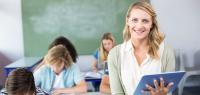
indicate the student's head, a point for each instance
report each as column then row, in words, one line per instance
column 58, row 58
column 141, row 24
column 20, row 82
column 65, row 42
column 107, row 43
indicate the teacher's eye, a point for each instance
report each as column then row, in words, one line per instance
column 145, row 21
column 134, row 20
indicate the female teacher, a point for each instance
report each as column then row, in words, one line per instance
column 143, row 52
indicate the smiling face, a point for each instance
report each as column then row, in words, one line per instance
column 140, row 23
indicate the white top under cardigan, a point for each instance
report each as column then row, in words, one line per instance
column 131, row 71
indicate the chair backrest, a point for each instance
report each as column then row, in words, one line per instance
column 180, row 60
column 84, row 62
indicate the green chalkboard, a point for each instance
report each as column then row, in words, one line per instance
column 81, row 21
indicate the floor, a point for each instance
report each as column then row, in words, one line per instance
column 191, row 91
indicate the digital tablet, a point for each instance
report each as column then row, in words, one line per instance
column 174, row 77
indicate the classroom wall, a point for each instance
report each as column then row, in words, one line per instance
column 179, row 20
column 11, row 39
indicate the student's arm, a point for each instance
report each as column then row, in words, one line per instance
column 81, row 87
column 95, row 61
column 37, row 76
column 105, row 84
column 94, row 66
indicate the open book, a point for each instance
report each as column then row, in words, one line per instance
column 94, row 74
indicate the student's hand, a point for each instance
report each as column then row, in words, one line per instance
column 55, row 92
column 95, row 69
column 104, row 62
column 158, row 90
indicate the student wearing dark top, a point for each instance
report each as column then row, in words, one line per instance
column 21, row 82
column 67, row 43
column 61, row 40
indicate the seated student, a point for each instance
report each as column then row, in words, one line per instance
column 65, row 42
column 23, row 86
column 59, row 74
column 61, row 40
column 100, row 55
column 20, row 82
column 105, row 84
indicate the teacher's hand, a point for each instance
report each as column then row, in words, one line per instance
column 159, row 89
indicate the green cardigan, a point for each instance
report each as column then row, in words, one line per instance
column 114, row 65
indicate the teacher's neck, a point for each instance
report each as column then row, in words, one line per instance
column 140, row 44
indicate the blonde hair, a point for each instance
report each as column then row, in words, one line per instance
column 103, row 52
column 155, row 36
column 58, row 54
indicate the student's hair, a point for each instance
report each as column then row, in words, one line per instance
column 155, row 37
column 65, row 42
column 58, row 54
column 20, row 82
column 103, row 52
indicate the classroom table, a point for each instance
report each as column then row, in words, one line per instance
column 90, row 79
column 25, row 62
column 93, row 93
column 2, row 92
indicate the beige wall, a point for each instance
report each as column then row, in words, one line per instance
column 179, row 20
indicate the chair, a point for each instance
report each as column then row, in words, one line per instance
column 181, row 60
column 84, row 62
